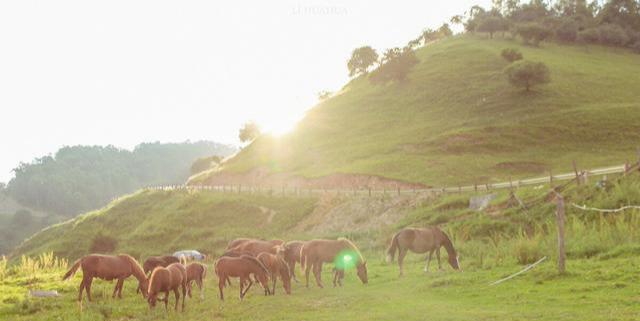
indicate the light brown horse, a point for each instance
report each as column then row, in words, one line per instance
column 241, row 267
column 107, row 267
column 422, row 240
column 255, row 247
column 239, row 241
column 172, row 278
column 154, row 261
column 292, row 255
column 196, row 272
column 277, row 268
column 316, row 252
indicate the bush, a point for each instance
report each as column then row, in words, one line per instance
column 612, row 35
column 511, row 55
column 396, row 66
column 103, row 244
column 567, row 31
column 532, row 33
column 590, row 35
column 527, row 74
column 636, row 47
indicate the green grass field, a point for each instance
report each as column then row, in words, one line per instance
column 591, row 290
column 457, row 120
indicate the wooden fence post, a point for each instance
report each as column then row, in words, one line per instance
column 369, row 187
column 398, row 188
column 560, row 222
column 575, row 170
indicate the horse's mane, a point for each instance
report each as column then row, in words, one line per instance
column 138, row 272
column 256, row 261
column 448, row 245
column 153, row 276
column 353, row 246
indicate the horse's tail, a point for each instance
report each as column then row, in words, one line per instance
column 391, row 251
column 73, row 270
column 303, row 257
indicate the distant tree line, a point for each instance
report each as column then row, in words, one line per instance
column 81, row 178
column 610, row 23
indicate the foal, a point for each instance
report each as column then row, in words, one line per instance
column 277, row 267
column 196, row 272
column 172, row 278
column 241, row 267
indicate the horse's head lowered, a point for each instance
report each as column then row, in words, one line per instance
column 454, row 262
column 362, row 272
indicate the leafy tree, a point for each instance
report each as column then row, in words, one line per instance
column 457, row 20
column 492, row 24
column 103, row 244
column 567, row 31
column 511, row 54
column 361, row 60
column 249, row 132
column 527, row 74
column 445, row 31
column 396, row 66
column 22, row 218
column 590, row 35
column 624, row 13
column 532, row 33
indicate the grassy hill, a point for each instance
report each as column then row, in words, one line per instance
column 457, row 120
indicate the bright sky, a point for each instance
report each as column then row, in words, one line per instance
column 125, row 72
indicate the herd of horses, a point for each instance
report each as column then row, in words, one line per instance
column 253, row 261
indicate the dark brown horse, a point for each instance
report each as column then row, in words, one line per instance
column 172, row 278
column 241, row 267
column 292, row 255
column 196, row 272
column 239, row 241
column 316, row 252
column 154, row 261
column 107, row 267
column 422, row 240
column 277, row 268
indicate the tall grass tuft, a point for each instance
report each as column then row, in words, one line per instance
column 45, row 262
column 3, row 267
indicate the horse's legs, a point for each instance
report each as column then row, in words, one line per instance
column 176, row 294
column 221, row 282
column 317, row 272
column 189, row 285
column 428, row 259
column 292, row 270
column 438, row 255
column 87, row 286
column 401, row 255
column 184, row 294
column 200, row 283
column 118, row 289
column 82, row 286
column 166, row 300
column 275, row 278
column 307, row 270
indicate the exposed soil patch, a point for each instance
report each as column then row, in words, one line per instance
column 261, row 177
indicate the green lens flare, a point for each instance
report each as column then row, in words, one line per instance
column 346, row 260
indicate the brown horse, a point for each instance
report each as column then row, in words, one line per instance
column 107, row 267
column 172, row 278
column 292, row 255
column 422, row 240
column 338, row 276
column 239, row 241
column 255, row 247
column 196, row 272
column 241, row 267
column 316, row 252
column 154, row 261
column 277, row 267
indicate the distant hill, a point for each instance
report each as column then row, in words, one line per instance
column 457, row 120
column 80, row 178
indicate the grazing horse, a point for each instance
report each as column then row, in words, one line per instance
column 239, row 241
column 107, row 267
column 277, row 267
column 255, row 247
column 241, row 267
column 316, row 252
column 172, row 278
column 338, row 276
column 292, row 255
column 422, row 240
column 196, row 272
column 154, row 261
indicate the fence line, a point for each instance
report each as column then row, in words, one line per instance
column 300, row 191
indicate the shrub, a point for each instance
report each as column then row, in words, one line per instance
column 532, row 33
column 527, row 74
column 103, row 244
column 636, row 47
column 590, row 35
column 492, row 24
column 567, row 31
column 511, row 55
column 612, row 35
column 396, row 66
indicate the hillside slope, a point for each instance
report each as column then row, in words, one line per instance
column 457, row 120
